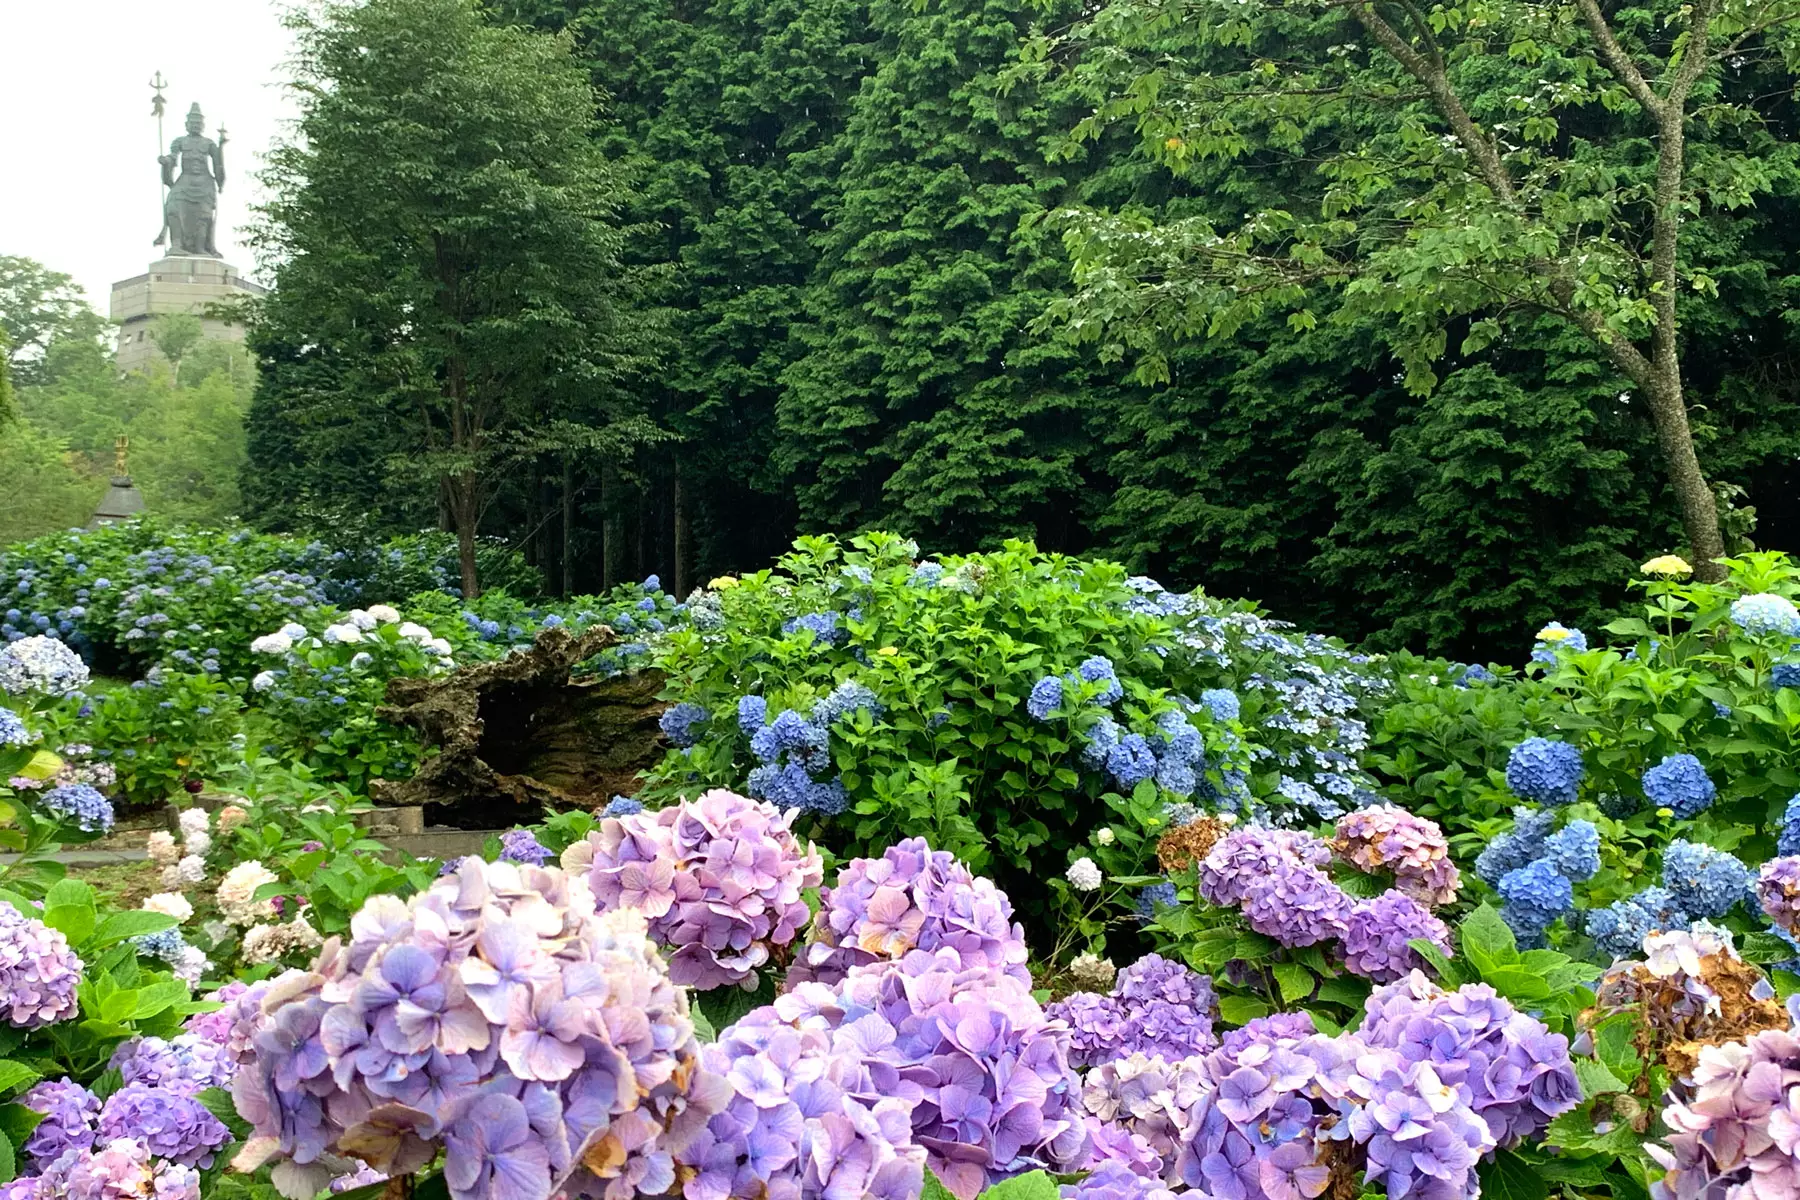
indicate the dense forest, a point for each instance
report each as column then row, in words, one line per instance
column 706, row 276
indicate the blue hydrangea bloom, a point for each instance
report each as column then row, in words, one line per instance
column 1785, row 675
column 846, row 698
column 1131, row 761
column 1540, row 889
column 1221, row 703
column 12, row 729
column 678, row 723
column 80, row 805
column 1574, row 850
column 790, row 786
column 622, row 806
column 1679, row 783
column 1765, row 613
column 1157, row 895
column 1554, row 637
column 1789, row 841
column 1176, row 777
column 752, row 712
column 1620, row 928
column 1705, row 881
column 1475, row 673
column 1177, row 739
column 822, row 625
column 1521, row 844
column 1046, row 697
column 1099, row 669
column 1545, row 771
column 1102, row 739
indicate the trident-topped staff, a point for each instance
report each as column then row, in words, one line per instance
column 157, row 103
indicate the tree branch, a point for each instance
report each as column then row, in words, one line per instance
column 1618, row 61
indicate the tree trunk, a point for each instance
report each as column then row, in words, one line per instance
column 683, row 539
column 463, row 512
column 1699, row 509
column 611, row 538
column 568, row 525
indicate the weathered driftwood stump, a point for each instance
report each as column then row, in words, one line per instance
column 511, row 739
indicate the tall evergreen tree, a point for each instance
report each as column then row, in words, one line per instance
column 447, row 248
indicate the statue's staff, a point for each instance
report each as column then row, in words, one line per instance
column 157, row 84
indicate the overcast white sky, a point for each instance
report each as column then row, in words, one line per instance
column 80, row 192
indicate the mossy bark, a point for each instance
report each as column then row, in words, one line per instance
column 510, row 740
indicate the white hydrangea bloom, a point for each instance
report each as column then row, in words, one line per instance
column 197, row 845
column 268, row 943
column 193, row 821
column 192, row 868
column 273, row 643
column 1083, row 875
column 263, row 681
column 412, row 631
column 170, row 904
column 162, row 849
column 361, row 659
column 237, row 893
column 342, row 634
column 384, row 613
column 361, row 618
column 294, row 631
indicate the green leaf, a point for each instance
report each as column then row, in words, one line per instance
column 1506, row 1176
column 1033, row 1185
column 9, row 1166
column 17, row 1121
column 119, row 926
column 1486, row 939
column 73, row 921
column 218, row 1102
column 934, row 1188
column 1237, row 1010
column 1596, row 1079
column 1295, row 980
column 70, row 891
column 702, row 1027
column 16, row 1075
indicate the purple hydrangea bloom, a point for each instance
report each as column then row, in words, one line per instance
column 1544, row 771
column 1376, row 936
column 502, row 983
column 799, row 1118
column 1778, row 891
column 1679, row 783
column 912, row 897
column 69, row 1111
column 38, row 971
column 1421, row 1140
column 1276, row 1027
column 522, row 846
column 1274, row 877
column 987, row 1072
column 188, row 1063
column 1515, row 1074
column 1115, row 1180
column 720, row 879
column 1735, row 1130
column 1158, row 1007
column 172, row 1123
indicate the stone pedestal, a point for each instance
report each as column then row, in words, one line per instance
column 177, row 284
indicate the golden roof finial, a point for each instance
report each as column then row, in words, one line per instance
column 120, row 444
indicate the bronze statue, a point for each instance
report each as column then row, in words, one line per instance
column 190, row 214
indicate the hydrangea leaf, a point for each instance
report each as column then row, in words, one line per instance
column 1506, row 1176
column 1033, row 1185
column 122, row 925
column 14, row 1075
column 1295, row 981
column 934, row 1189
column 1240, row 1010
column 219, row 1103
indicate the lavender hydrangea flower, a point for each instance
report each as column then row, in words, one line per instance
column 1274, row 877
column 1544, row 771
column 993, row 1094
column 500, row 982
column 38, row 971
column 912, row 897
column 522, row 846
column 1679, row 783
column 1157, row 1007
column 720, row 879
column 1735, row 1131
column 1516, row 1075
column 69, row 1112
column 188, row 1063
column 1377, row 933
column 173, row 1124
column 80, row 805
column 1778, row 891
